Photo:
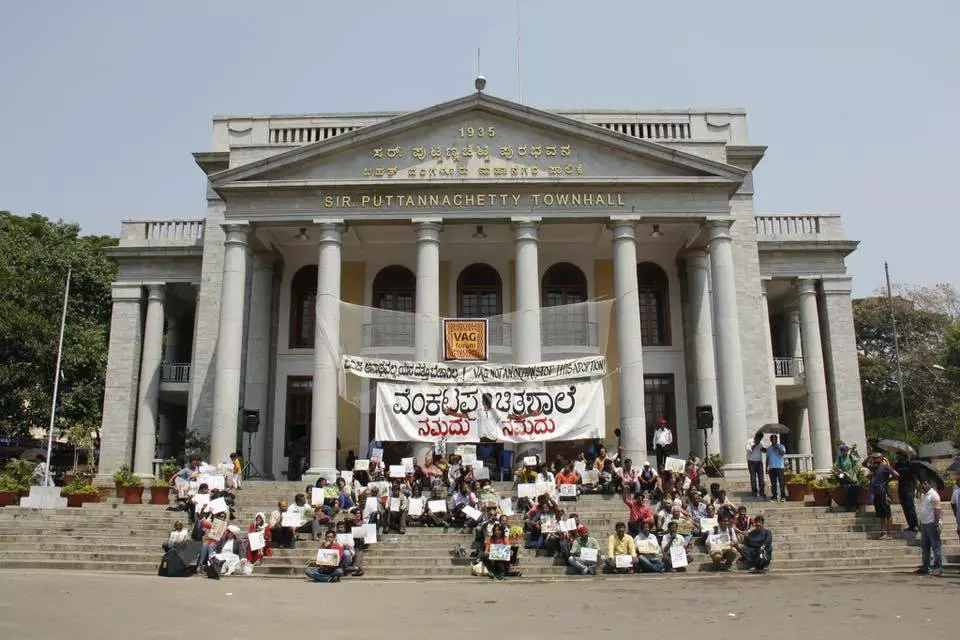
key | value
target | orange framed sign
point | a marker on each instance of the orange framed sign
(465, 339)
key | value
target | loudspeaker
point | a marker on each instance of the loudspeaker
(251, 420)
(705, 417)
(172, 565)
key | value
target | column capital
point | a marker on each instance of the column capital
(236, 232)
(837, 285)
(624, 227)
(155, 292)
(696, 259)
(526, 228)
(428, 229)
(126, 291)
(522, 222)
(806, 286)
(331, 230)
(718, 229)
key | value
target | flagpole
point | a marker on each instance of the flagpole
(896, 352)
(56, 378)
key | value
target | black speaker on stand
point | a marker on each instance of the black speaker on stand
(705, 423)
(250, 424)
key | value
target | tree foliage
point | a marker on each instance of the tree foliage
(927, 331)
(36, 254)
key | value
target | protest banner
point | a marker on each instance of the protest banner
(500, 552)
(256, 541)
(476, 373)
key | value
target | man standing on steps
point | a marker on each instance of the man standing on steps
(755, 466)
(775, 453)
(662, 439)
(930, 529)
(907, 491)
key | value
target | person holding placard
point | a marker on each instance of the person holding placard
(227, 553)
(283, 536)
(757, 549)
(649, 558)
(463, 498)
(722, 544)
(621, 545)
(499, 543)
(416, 508)
(670, 540)
(585, 563)
(627, 477)
(639, 512)
(259, 525)
(546, 510)
(327, 572)
(568, 477)
(696, 510)
(397, 506)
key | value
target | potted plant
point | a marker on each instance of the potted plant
(947, 492)
(797, 484)
(821, 489)
(120, 479)
(79, 491)
(133, 490)
(21, 471)
(159, 492)
(169, 469)
(9, 489)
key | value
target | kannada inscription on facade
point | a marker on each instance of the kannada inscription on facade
(474, 200)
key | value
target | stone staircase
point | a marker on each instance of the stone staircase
(114, 537)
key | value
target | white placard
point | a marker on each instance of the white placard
(201, 500)
(678, 556)
(478, 464)
(415, 508)
(527, 490)
(371, 535)
(548, 523)
(589, 555)
(213, 482)
(471, 513)
(370, 507)
(437, 506)
(500, 553)
(591, 477)
(382, 487)
(567, 525)
(623, 562)
(568, 491)
(545, 488)
(707, 524)
(347, 477)
(329, 476)
(218, 506)
(361, 465)
(358, 532)
(317, 495)
(577, 414)
(506, 506)
(720, 542)
(289, 519)
(482, 473)
(328, 557)
(218, 528)
(529, 461)
(648, 547)
(397, 471)
(407, 464)
(468, 460)
(580, 467)
(256, 541)
(344, 539)
(465, 449)
(376, 454)
(394, 504)
(675, 465)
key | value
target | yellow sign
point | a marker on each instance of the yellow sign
(464, 339)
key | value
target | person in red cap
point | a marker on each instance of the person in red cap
(662, 439)
(585, 563)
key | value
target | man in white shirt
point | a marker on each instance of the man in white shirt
(648, 555)
(722, 544)
(929, 516)
(662, 439)
(755, 465)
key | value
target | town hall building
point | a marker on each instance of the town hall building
(382, 224)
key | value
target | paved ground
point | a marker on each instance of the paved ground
(97, 606)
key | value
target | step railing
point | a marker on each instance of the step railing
(798, 462)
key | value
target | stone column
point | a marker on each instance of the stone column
(768, 352)
(427, 328)
(840, 351)
(326, 352)
(120, 388)
(814, 376)
(149, 397)
(526, 331)
(633, 423)
(226, 381)
(733, 417)
(796, 352)
(171, 347)
(256, 385)
(701, 326)
(803, 425)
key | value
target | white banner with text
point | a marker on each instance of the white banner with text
(440, 373)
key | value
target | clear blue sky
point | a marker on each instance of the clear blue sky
(101, 103)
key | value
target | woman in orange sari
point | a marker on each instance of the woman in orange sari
(497, 568)
(259, 525)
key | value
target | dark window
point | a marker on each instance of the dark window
(395, 289)
(654, 305)
(299, 408)
(659, 400)
(563, 283)
(479, 292)
(303, 307)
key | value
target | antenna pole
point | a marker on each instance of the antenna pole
(56, 378)
(896, 352)
(519, 60)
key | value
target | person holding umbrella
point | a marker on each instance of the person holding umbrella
(775, 453)
(882, 473)
(907, 491)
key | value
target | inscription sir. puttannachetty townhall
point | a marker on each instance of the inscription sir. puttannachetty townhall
(365, 229)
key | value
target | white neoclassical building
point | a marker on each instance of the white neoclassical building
(473, 208)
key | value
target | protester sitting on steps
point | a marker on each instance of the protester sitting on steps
(581, 541)
(649, 558)
(314, 525)
(649, 480)
(227, 554)
(722, 544)
(756, 552)
(627, 477)
(260, 525)
(742, 523)
(671, 539)
(353, 558)
(396, 512)
(463, 498)
(497, 568)
(620, 544)
(177, 537)
(327, 574)
(639, 513)
(283, 536)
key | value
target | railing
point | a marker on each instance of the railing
(302, 135)
(650, 130)
(799, 227)
(788, 367)
(798, 462)
(175, 372)
(166, 233)
(568, 333)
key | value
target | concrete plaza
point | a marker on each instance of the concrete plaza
(87, 606)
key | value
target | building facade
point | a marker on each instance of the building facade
(473, 208)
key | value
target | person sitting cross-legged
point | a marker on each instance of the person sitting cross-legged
(580, 542)
(327, 574)
(722, 544)
(620, 544)
(757, 550)
(396, 510)
(649, 559)
(670, 540)
(260, 525)
(281, 535)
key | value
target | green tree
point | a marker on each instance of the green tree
(36, 254)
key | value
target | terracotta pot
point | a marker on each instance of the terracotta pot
(797, 492)
(159, 495)
(9, 497)
(68, 478)
(133, 495)
(821, 497)
(121, 490)
(105, 493)
(75, 500)
(837, 496)
(864, 495)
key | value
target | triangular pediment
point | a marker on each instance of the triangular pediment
(477, 138)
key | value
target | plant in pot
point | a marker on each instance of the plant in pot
(133, 490)
(9, 489)
(797, 484)
(22, 473)
(120, 479)
(159, 492)
(79, 491)
(947, 492)
(169, 469)
(821, 489)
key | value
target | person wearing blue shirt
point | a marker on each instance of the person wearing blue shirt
(775, 453)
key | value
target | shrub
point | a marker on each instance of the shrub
(79, 487)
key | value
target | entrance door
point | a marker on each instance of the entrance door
(299, 409)
(660, 401)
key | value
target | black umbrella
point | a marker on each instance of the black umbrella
(897, 446)
(954, 466)
(926, 470)
(775, 427)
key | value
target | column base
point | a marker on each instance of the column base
(146, 476)
(735, 471)
(44, 498)
(313, 473)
